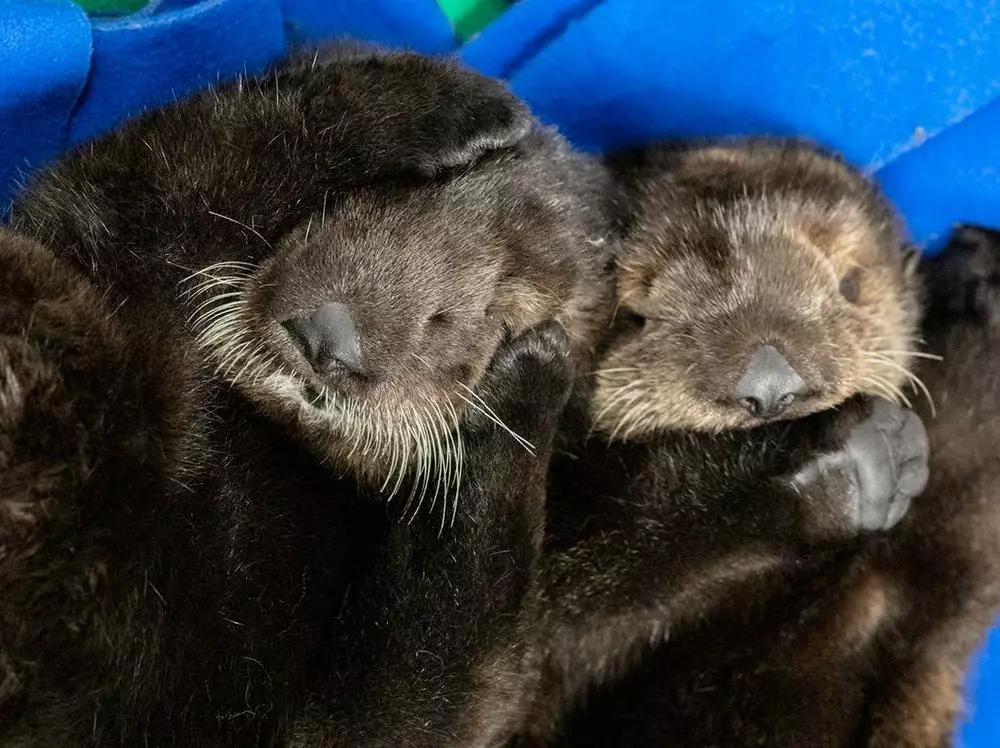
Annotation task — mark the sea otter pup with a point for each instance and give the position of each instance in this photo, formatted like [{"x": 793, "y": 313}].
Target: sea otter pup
[
  {"x": 231, "y": 330},
  {"x": 759, "y": 281},
  {"x": 868, "y": 643}
]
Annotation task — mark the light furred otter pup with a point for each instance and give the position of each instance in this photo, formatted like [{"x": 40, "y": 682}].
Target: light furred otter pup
[
  {"x": 228, "y": 332},
  {"x": 757, "y": 279},
  {"x": 765, "y": 292},
  {"x": 868, "y": 645}
]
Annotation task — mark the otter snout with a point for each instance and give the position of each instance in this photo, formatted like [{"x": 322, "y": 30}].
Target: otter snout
[
  {"x": 328, "y": 338},
  {"x": 768, "y": 384}
]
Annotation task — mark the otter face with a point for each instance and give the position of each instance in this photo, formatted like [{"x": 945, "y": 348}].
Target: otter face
[
  {"x": 369, "y": 326},
  {"x": 754, "y": 310}
]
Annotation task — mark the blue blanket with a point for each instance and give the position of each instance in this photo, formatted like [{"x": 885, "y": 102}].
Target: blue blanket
[{"x": 909, "y": 89}]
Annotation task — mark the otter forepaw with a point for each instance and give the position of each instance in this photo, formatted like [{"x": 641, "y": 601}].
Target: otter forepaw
[
  {"x": 451, "y": 115},
  {"x": 871, "y": 480},
  {"x": 528, "y": 384}
]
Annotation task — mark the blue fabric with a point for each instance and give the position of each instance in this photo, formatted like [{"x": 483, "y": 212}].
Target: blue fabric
[
  {"x": 44, "y": 61},
  {"x": 982, "y": 728},
  {"x": 65, "y": 78},
  {"x": 142, "y": 63},
  {"x": 412, "y": 24},
  {"x": 876, "y": 79},
  {"x": 954, "y": 177}
]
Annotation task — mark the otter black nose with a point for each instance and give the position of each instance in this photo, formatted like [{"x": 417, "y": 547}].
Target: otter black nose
[
  {"x": 327, "y": 338},
  {"x": 769, "y": 384}
]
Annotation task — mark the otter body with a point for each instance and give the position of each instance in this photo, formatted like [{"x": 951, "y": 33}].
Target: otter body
[
  {"x": 767, "y": 305},
  {"x": 866, "y": 642},
  {"x": 229, "y": 333}
]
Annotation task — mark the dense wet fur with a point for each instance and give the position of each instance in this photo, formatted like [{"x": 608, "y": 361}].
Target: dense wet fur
[
  {"x": 731, "y": 244},
  {"x": 868, "y": 642},
  {"x": 176, "y": 565},
  {"x": 678, "y": 510}
]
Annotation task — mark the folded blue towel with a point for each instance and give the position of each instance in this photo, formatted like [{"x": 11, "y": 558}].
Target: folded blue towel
[{"x": 880, "y": 80}]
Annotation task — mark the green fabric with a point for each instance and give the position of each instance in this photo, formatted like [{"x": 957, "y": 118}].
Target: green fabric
[
  {"x": 111, "y": 7},
  {"x": 469, "y": 17}
]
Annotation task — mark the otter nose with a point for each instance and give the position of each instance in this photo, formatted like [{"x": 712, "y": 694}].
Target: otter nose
[
  {"x": 327, "y": 338},
  {"x": 769, "y": 384}
]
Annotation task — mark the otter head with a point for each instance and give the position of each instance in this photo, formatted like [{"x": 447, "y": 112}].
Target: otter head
[
  {"x": 368, "y": 328},
  {"x": 755, "y": 284}
]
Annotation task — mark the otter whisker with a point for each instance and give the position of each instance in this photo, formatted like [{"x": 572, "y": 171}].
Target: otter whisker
[
  {"x": 878, "y": 389},
  {"x": 431, "y": 436},
  {"x": 913, "y": 379},
  {"x": 460, "y": 459},
  {"x": 417, "y": 472},
  {"x": 528, "y": 446},
  {"x": 438, "y": 453},
  {"x": 451, "y": 450},
  {"x": 487, "y": 411},
  {"x": 614, "y": 398},
  {"x": 629, "y": 408},
  {"x": 212, "y": 301},
  {"x": 207, "y": 271},
  {"x": 620, "y": 370},
  {"x": 422, "y": 360},
  {"x": 915, "y": 354},
  {"x": 445, "y": 450},
  {"x": 251, "y": 229},
  {"x": 898, "y": 396}
]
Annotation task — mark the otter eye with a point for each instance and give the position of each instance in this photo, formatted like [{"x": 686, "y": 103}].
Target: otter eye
[
  {"x": 439, "y": 319},
  {"x": 850, "y": 285},
  {"x": 629, "y": 322}
]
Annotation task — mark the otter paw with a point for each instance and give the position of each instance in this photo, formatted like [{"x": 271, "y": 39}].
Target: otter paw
[
  {"x": 527, "y": 384},
  {"x": 871, "y": 480},
  {"x": 454, "y": 115},
  {"x": 486, "y": 117}
]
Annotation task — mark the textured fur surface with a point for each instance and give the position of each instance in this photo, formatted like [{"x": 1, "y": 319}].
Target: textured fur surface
[
  {"x": 194, "y": 550},
  {"x": 868, "y": 641}
]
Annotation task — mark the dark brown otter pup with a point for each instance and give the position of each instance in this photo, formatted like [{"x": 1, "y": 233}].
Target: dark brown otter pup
[
  {"x": 765, "y": 294},
  {"x": 336, "y": 260},
  {"x": 757, "y": 280}
]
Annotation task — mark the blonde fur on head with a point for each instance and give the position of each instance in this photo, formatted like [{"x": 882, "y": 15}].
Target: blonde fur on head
[{"x": 758, "y": 242}]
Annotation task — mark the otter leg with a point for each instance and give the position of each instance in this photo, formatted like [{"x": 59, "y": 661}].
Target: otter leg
[{"x": 438, "y": 635}]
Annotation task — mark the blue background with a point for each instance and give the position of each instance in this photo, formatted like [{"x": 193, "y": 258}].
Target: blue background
[{"x": 908, "y": 89}]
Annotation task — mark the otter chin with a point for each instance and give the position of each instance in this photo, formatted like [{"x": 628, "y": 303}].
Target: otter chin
[{"x": 758, "y": 280}]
